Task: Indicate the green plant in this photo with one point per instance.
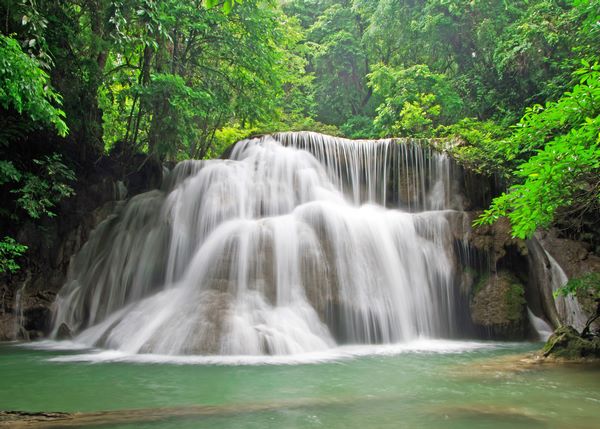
(9, 251)
(479, 145)
(414, 99)
(25, 87)
(559, 145)
(41, 191)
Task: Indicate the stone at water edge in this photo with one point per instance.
(566, 343)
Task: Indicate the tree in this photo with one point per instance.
(27, 102)
(340, 64)
(25, 90)
(559, 148)
(173, 88)
(413, 100)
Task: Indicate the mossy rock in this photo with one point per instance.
(498, 307)
(566, 343)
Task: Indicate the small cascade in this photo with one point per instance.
(18, 327)
(19, 321)
(568, 307)
(546, 276)
(297, 243)
(542, 329)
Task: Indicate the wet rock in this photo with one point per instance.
(478, 190)
(577, 262)
(566, 343)
(498, 242)
(147, 175)
(573, 256)
(64, 332)
(498, 307)
(7, 327)
(26, 419)
(37, 318)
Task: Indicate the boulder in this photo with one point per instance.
(566, 343)
(498, 307)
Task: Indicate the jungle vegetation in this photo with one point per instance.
(515, 85)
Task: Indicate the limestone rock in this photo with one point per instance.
(497, 240)
(498, 307)
(64, 332)
(573, 256)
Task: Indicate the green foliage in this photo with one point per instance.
(478, 145)
(227, 136)
(180, 79)
(340, 64)
(40, 190)
(416, 117)
(201, 69)
(9, 251)
(227, 5)
(175, 108)
(563, 172)
(9, 173)
(588, 284)
(25, 87)
(414, 99)
(27, 103)
(359, 127)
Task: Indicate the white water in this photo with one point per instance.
(542, 328)
(18, 329)
(341, 353)
(298, 243)
(569, 309)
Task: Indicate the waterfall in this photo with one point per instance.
(19, 331)
(546, 276)
(297, 243)
(568, 307)
(542, 329)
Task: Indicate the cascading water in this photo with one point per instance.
(568, 307)
(297, 243)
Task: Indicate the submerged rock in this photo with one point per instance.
(566, 343)
(13, 419)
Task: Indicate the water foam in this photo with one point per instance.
(335, 354)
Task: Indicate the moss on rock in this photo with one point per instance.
(566, 343)
(498, 307)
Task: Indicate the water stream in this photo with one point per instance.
(568, 307)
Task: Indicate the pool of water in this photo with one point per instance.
(426, 384)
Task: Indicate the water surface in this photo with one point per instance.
(425, 384)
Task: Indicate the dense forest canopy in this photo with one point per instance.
(514, 84)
